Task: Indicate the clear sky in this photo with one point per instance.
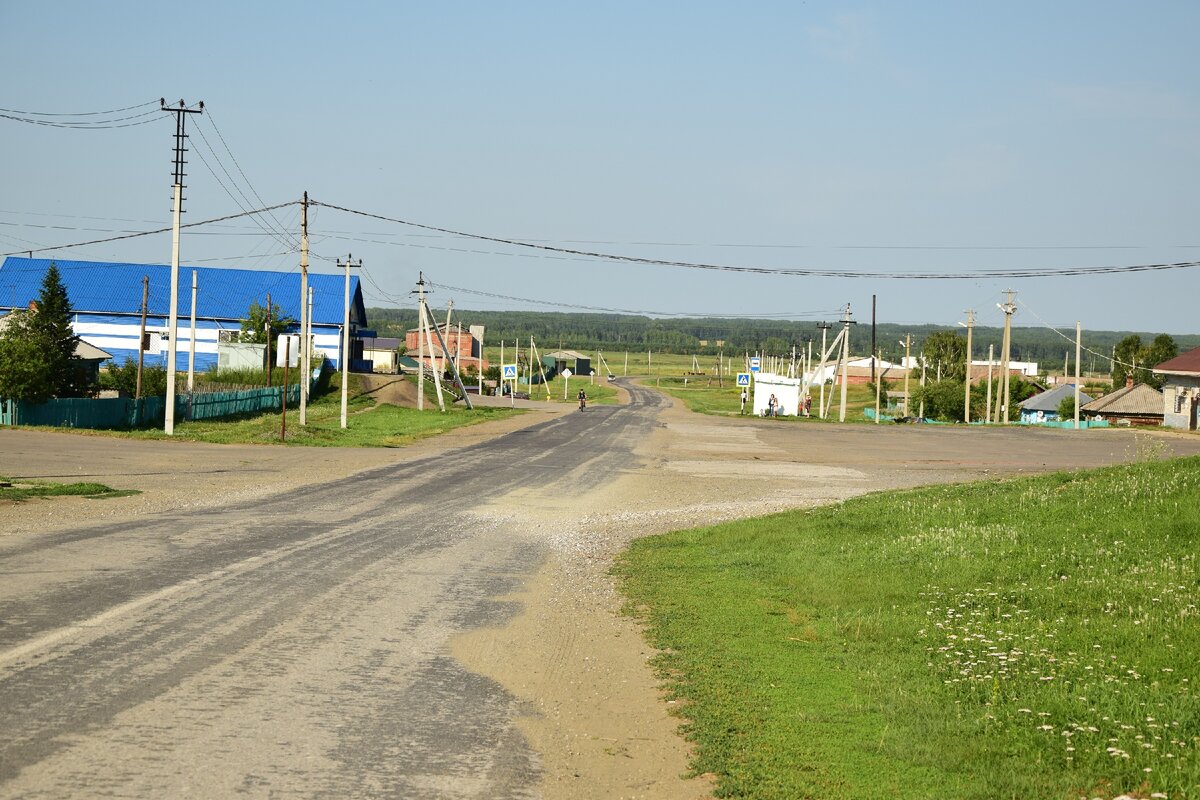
(872, 136)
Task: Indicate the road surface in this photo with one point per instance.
(300, 644)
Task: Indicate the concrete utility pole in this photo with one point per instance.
(874, 349)
(346, 340)
(987, 414)
(824, 326)
(137, 392)
(878, 384)
(967, 380)
(846, 323)
(173, 319)
(1009, 308)
(921, 407)
(305, 314)
(192, 339)
(907, 371)
(1079, 344)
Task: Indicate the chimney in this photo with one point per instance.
(1129, 381)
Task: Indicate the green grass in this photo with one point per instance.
(369, 424)
(1026, 638)
(26, 488)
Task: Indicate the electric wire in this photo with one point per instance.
(137, 234)
(798, 272)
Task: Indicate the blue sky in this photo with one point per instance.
(861, 136)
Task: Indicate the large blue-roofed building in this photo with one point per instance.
(107, 302)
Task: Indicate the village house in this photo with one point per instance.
(1132, 404)
(1181, 389)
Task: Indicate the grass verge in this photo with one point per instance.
(704, 396)
(1027, 638)
(18, 489)
(369, 424)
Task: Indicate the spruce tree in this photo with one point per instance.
(37, 358)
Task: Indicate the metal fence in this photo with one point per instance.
(125, 412)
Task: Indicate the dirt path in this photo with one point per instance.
(595, 712)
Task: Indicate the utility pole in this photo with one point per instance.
(921, 407)
(305, 314)
(878, 392)
(137, 392)
(967, 380)
(907, 371)
(173, 319)
(1079, 344)
(1009, 308)
(874, 352)
(824, 326)
(346, 339)
(987, 414)
(192, 338)
(267, 335)
(846, 323)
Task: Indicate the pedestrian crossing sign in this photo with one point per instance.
(510, 372)
(743, 379)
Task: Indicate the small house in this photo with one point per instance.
(1044, 407)
(1132, 404)
(1181, 389)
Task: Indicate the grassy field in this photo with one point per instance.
(369, 424)
(15, 490)
(1017, 639)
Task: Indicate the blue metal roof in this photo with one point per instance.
(223, 292)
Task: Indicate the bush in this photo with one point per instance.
(124, 379)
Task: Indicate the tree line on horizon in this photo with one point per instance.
(708, 336)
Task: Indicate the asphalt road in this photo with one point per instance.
(292, 647)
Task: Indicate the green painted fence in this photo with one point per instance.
(125, 412)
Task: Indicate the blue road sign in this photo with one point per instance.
(510, 372)
(743, 379)
(755, 364)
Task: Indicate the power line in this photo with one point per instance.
(137, 234)
(80, 113)
(798, 272)
(145, 118)
(642, 312)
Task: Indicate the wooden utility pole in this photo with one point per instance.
(267, 333)
(305, 314)
(967, 379)
(137, 392)
(1078, 348)
(625, 374)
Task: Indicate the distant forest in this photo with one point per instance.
(620, 332)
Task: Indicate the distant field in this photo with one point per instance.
(1015, 639)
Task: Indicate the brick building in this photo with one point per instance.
(464, 344)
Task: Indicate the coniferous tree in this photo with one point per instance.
(37, 350)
